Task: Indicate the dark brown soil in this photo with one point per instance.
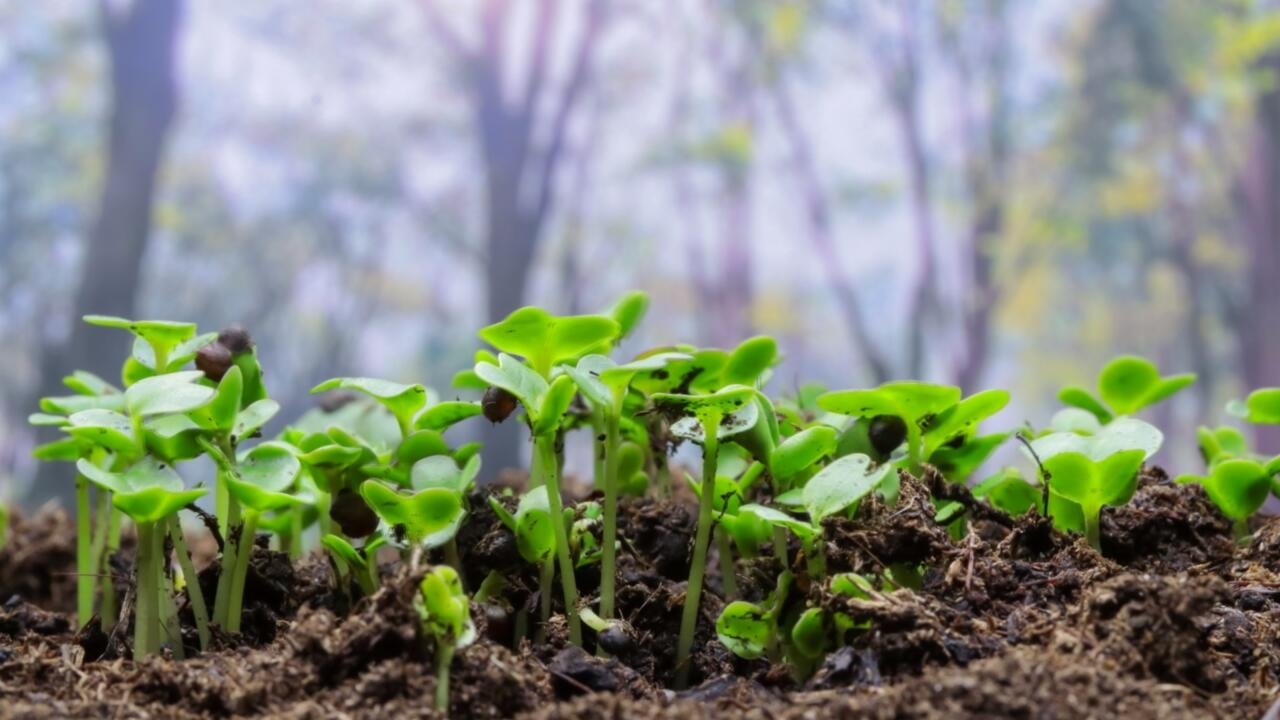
(1013, 620)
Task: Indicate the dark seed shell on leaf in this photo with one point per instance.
(353, 515)
(886, 433)
(214, 361)
(236, 339)
(498, 404)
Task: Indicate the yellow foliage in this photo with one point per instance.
(772, 313)
(1245, 42)
(1213, 252)
(1029, 297)
(784, 28)
(1136, 190)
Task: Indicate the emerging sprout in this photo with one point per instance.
(446, 619)
(1091, 484)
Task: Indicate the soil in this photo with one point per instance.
(1010, 619)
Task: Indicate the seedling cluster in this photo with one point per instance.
(372, 473)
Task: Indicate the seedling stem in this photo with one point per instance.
(693, 595)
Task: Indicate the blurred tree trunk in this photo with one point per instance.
(902, 77)
(140, 38)
(818, 216)
(987, 133)
(1259, 199)
(520, 171)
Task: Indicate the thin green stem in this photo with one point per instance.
(86, 568)
(780, 549)
(546, 576)
(547, 453)
(367, 576)
(170, 628)
(146, 612)
(693, 595)
(451, 556)
(1241, 530)
(444, 658)
(192, 581)
(664, 475)
(609, 543)
(244, 554)
(230, 553)
(102, 560)
(490, 588)
(1093, 528)
(592, 620)
(728, 575)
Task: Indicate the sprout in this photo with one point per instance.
(349, 561)
(913, 402)
(708, 419)
(605, 385)
(446, 619)
(259, 482)
(151, 493)
(836, 488)
(1126, 385)
(1091, 484)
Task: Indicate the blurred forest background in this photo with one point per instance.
(985, 192)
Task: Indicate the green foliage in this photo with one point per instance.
(1126, 385)
(747, 629)
(545, 340)
(1092, 483)
(1261, 407)
(402, 401)
(445, 613)
(147, 491)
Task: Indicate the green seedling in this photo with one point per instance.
(446, 619)
(1092, 484)
(1010, 492)
(605, 385)
(707, 419)
(151, 493)
(888, 407)
(536, 537)
(802, 636)
(546, 341)
(260, 481)
(834, 490)
(747, 629)
(1239, 487)
(4, 524)
(430, 516)
(1236, 480)
(800, 453)
(1123, 435)
(1262, 407)
(1126, 385)
(402, 401)
(349, 562)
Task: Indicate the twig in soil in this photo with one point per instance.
(210, 522)
(942, 489)
(971, 543)
(1044, 474)
(585, 690)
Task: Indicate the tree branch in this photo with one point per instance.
(444, 32)
(577, 81)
